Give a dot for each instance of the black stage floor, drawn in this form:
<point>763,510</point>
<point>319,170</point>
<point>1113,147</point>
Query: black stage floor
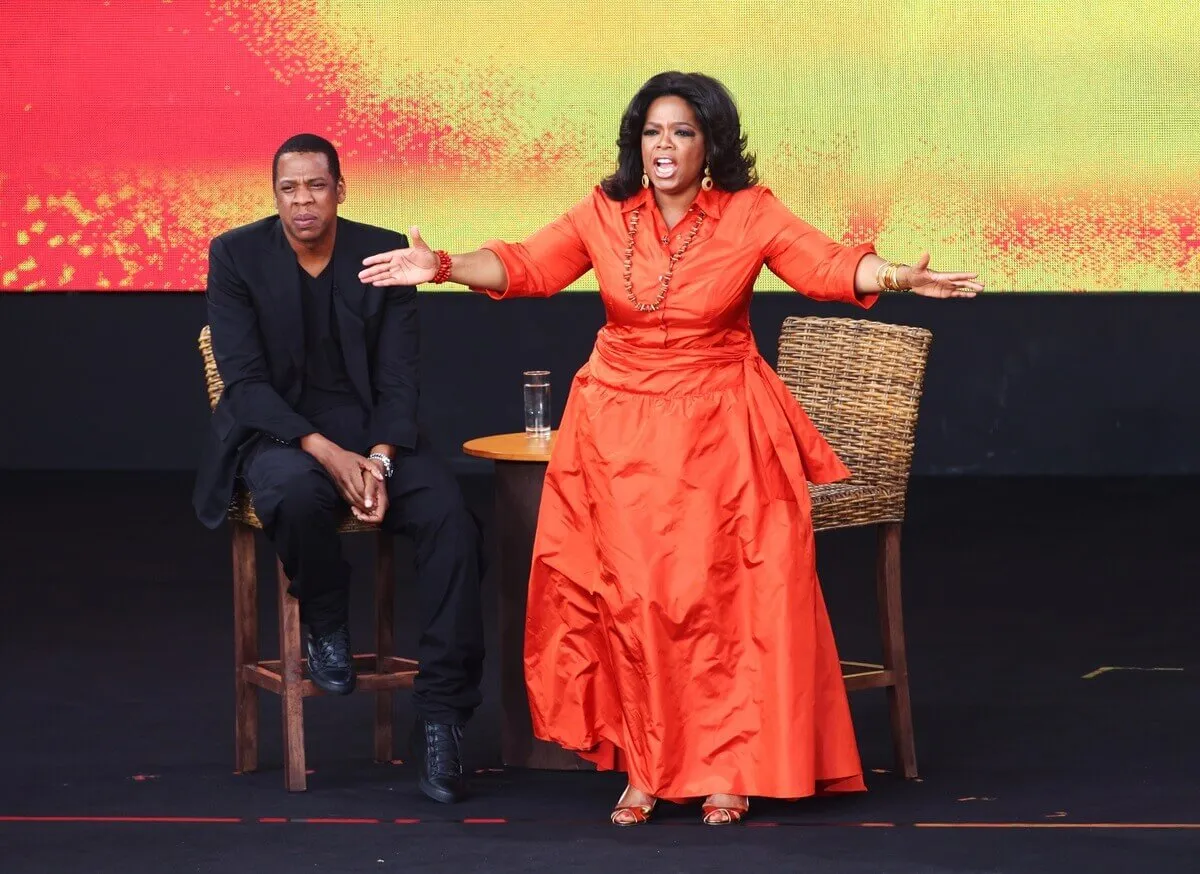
<point>116,707</point>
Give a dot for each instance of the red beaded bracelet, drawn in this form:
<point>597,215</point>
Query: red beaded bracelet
<point>443,271</point>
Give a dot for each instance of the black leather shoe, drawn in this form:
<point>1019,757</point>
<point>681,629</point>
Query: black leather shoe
<point>329,660</point>
<point>435,750</point>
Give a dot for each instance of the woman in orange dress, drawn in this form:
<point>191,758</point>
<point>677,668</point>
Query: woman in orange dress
<point>676,628</point>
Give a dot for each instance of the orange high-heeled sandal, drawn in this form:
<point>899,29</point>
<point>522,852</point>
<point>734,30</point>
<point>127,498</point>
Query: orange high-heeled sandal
<point>631,814</point>
<point>716,814</point>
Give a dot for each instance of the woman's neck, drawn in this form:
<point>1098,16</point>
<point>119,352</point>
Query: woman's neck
<point>674,206</point>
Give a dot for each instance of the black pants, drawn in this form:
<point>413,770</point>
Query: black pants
<point>300,508</point>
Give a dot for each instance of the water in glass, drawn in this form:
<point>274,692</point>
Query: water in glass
<point>537,403</point>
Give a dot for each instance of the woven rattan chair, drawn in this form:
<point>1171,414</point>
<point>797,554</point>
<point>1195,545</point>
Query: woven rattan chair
<point>860,382</point>
<point>380,672</point>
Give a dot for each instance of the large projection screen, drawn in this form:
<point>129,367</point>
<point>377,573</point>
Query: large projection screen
<point>1050,146</point>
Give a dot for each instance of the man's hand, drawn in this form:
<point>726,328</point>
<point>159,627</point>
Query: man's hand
<point>375,486</point>
<point>375,490</point>
<point>348,470</point>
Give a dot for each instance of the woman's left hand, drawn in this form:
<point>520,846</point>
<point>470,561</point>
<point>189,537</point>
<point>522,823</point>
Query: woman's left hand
<point>931,283</point>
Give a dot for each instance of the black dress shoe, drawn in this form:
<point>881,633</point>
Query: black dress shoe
<point>330,663</point>
<point>435,749</point>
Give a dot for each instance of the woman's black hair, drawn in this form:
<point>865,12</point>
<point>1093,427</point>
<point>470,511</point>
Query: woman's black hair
<point>731,165</point>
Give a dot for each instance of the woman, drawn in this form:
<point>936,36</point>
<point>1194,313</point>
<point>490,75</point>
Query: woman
<point>676,628</point>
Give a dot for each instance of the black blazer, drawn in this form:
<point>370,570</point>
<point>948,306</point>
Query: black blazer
<point>254,312</point>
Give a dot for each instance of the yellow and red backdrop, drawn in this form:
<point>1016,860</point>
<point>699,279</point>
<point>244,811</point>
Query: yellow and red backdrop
<point>1050,146</point>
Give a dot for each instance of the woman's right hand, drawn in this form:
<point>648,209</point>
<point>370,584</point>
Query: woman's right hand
<point>410,266</point>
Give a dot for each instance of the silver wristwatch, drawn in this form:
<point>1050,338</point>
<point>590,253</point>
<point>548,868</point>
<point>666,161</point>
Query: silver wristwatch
<point>385,461</point>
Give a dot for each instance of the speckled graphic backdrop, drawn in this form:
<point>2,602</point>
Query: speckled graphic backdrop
<point>1050,146</point>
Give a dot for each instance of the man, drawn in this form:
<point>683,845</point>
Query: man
<point>319,417</point>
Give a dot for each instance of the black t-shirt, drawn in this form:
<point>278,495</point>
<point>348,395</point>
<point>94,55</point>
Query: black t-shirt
<point>328,399</point>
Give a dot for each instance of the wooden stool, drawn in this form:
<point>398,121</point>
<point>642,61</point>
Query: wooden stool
<point>380,672</point>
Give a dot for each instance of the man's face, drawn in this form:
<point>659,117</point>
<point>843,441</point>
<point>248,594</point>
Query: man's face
<point>307,196</point>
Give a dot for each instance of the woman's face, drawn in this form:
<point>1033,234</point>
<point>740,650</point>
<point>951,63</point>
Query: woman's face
<point>673,147</point>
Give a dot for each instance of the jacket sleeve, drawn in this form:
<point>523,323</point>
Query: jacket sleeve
<point>238,351</point>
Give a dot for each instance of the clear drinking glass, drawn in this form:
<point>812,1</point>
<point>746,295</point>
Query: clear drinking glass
<point>537,403</point>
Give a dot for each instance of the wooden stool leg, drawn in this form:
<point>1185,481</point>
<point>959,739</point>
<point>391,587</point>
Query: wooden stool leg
<point>290,667</point>
<point>895,657</point>
<point>385,606</point>
<point>245,647</point>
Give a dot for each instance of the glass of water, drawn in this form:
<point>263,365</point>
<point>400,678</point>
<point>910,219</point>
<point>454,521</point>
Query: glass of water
<point>537,403</point>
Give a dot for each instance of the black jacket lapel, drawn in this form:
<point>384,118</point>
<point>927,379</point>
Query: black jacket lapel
<point>283,284</point>
<point>347,303</point>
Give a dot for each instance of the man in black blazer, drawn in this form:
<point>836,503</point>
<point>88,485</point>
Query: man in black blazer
<point>319,418</point>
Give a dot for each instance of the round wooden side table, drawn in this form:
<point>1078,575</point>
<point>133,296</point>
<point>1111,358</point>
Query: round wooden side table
<point>521,462</point>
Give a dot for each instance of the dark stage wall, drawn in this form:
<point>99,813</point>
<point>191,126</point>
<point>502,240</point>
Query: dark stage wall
<point>1101,384</point>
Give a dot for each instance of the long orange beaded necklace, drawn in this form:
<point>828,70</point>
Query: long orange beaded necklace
<point>664,281</point>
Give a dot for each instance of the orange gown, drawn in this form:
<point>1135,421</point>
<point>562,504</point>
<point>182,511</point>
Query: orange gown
<point>676,628</point>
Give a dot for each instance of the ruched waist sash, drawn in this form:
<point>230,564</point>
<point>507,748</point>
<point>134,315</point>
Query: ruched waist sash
<point>776,421</point>
<point>670,371</point>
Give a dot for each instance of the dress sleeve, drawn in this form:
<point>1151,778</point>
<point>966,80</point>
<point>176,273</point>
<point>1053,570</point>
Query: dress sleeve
<point>547,261</point>
<point>805,258</point>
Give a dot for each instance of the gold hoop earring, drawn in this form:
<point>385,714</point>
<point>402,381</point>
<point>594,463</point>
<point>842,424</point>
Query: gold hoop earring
<point>707,182</point>
<point>645,181</point>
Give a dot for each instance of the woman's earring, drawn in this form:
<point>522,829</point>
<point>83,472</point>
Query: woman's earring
<point>706,183</point>
<point>645,181</point>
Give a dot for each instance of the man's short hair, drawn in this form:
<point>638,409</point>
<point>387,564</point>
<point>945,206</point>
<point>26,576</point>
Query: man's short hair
<point>308,143</point>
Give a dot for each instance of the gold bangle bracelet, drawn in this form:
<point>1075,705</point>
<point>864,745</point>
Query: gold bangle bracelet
<point>887,276</point>
<point>879,271</point>
<point>881,274</point>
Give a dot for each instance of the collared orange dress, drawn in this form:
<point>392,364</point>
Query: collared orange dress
<point>676,628</point>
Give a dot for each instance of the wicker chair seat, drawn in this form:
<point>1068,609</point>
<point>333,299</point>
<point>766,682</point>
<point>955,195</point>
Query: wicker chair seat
<point>241,509</point>
<point>848,504</point>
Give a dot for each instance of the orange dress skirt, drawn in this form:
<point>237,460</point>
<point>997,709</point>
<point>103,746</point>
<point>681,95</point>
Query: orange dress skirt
<point>676,628</point>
